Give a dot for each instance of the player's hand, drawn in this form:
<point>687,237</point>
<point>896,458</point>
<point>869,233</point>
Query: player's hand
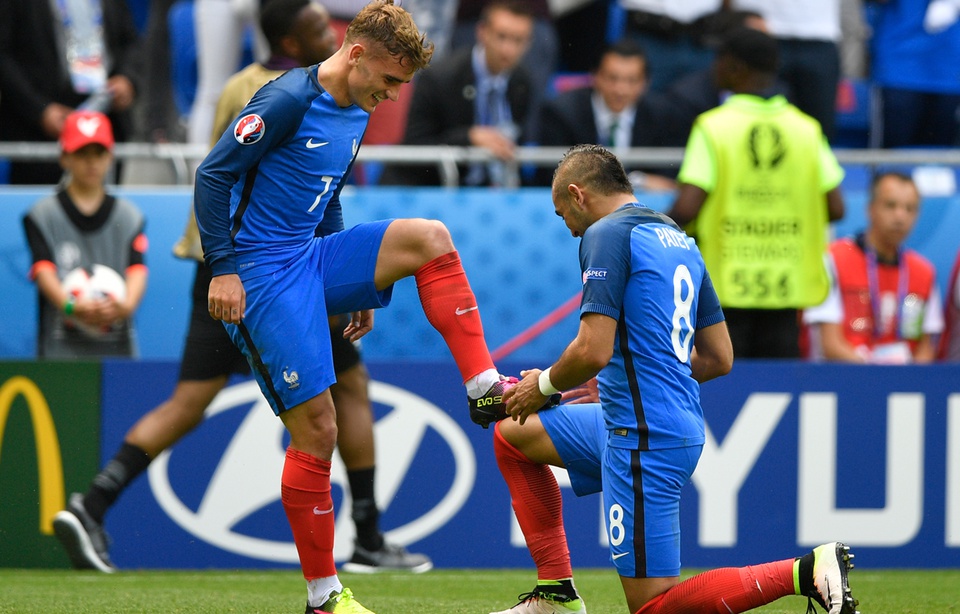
<point>525,398</point>
<point>586,392</point>
<point>361,323</point>
<point>227,300</point>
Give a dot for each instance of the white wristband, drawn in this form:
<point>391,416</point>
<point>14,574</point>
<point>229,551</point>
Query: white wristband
<point>546,386</point>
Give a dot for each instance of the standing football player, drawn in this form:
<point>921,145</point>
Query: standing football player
<point>267,201</point>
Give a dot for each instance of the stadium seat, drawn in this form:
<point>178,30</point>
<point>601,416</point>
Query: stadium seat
<point>853,113</point>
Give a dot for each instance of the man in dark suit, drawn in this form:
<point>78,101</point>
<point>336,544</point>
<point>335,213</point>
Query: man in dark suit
<point>477,97</point>
<point>615,111</point>
<point>52,62</point>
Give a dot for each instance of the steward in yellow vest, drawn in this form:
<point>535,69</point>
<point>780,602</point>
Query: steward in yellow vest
<point>759,186</point>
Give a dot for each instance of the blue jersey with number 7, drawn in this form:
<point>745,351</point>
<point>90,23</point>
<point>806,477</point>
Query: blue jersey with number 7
<point>275,175</point>
<point>642,270</point>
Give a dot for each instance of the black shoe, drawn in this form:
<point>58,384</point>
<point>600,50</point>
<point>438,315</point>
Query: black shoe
<point>390,557</point>
<point>83,537</point>
<point>490,407</point>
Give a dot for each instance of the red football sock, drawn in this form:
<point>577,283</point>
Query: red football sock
<point>305,493</point>
<point>726,590</point>
<point>451,308</point>
<point>539,507</point>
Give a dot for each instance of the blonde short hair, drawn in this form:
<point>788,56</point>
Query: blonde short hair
<point>391,27</point>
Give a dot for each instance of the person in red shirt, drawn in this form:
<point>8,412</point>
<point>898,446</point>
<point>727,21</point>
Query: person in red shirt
<point>884,304</point>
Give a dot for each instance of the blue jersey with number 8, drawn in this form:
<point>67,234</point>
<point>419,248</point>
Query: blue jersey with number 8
<point>642,270</point>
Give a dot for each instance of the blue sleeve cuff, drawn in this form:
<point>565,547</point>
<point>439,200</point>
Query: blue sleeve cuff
<point>223,266</point>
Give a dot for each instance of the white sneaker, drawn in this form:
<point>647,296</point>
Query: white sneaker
<point>539,602</point>
<point>831,562</point>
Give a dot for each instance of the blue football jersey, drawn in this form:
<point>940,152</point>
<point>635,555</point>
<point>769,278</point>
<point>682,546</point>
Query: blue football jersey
<point>640,269</point>
<point>271,179</point>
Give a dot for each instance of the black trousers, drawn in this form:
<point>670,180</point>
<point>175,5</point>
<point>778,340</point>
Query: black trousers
<point>764,333</point>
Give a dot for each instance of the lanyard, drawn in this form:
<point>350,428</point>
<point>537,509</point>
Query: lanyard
<point>873,280</point>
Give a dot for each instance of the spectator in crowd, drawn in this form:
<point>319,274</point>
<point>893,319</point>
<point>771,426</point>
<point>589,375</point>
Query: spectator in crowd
<point>478,97</point>
<point>580,24</point>
<point>437,20</point>
<point>160,120</point>
<point>56,57</point>
<point>760,184</point>
<point>298,33</point>
<point>220,27</point>
<point>87,250</point>
<point>950,338</point>
<point>883,305</point>
<point>542,56</point>
<point>616,111</point>
<point>915,49</point>
<point>854,33</point>
<point>653,281</point>
<point>674,34</point>
<point>699,91</point>
<point>808,36</point>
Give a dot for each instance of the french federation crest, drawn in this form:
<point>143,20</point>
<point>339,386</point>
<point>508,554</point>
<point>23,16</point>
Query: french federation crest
<point>249,129</point>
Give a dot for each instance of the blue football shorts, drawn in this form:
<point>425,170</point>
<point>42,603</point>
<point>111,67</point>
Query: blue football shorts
<point>578,434</point>
<point>641,501</point>
<point>644,544</point>
<point>285,333</point>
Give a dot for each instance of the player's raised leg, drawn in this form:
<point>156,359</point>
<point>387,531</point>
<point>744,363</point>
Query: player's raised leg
<point>425,250</point>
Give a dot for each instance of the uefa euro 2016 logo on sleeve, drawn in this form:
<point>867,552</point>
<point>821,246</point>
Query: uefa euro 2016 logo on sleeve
<point>593,274</point>
<point>249,129</point>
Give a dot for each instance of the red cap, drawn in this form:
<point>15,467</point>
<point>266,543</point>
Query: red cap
<point>82,128</point>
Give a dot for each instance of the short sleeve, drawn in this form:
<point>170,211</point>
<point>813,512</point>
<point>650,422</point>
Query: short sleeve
<point>699,166</point>
<point>831,173</point>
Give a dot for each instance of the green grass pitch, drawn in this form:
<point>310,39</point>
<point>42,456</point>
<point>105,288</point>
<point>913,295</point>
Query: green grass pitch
<point>467,591</point>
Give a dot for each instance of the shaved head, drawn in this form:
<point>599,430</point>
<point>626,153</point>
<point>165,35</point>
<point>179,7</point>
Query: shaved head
<point>593,167</point>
